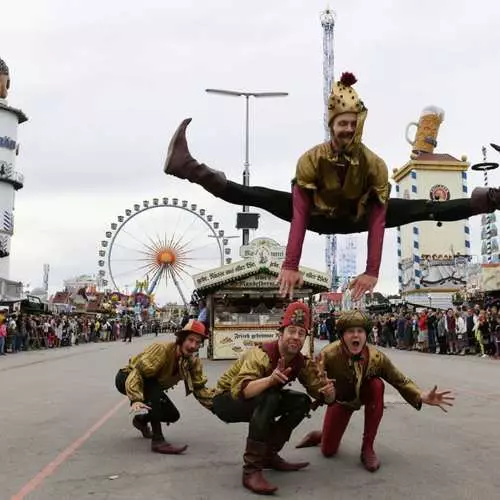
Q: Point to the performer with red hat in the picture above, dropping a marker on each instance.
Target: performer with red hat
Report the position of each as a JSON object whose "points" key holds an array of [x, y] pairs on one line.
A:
{"points": [[252, 390], [158, 368], [359, 370], [341, 187]]}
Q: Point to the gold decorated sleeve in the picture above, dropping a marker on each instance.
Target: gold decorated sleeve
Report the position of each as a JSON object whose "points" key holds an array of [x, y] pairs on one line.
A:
{"points": [[404, 385], [309, 378], [255, 366], [305, 175], [378, 180], [201, 392], [145, 365], [134, 386]]}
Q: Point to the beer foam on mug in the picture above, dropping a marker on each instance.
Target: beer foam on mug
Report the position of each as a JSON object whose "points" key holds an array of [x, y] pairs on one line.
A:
{"points": [[433, 110]]}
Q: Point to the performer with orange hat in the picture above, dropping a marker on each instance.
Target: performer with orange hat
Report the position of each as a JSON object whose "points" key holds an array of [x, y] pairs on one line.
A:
{"points": [[252, 390], [158, 368], [359, 371], [341, 187]]}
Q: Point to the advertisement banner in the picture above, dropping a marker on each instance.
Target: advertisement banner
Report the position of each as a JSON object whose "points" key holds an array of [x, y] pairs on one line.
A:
{"points": [[231, 343]]}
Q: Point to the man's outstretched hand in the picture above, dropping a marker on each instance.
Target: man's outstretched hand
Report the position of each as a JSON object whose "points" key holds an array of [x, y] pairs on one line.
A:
{"points": [[435, 398], [288, 280], [362, 284]]}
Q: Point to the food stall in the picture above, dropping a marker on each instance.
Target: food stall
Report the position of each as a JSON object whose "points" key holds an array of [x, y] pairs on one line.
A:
{"points": [[243, 299]]}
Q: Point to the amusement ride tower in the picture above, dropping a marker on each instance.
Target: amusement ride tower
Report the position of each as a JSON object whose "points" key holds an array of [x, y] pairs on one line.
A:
{"points": [[340, 251]]}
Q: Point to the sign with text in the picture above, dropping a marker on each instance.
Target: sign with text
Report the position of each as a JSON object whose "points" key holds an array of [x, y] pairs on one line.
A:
{"points": [[231, 343]]}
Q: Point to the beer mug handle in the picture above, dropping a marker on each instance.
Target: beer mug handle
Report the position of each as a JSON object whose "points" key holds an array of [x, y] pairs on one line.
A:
{"points": [[407, 133]]}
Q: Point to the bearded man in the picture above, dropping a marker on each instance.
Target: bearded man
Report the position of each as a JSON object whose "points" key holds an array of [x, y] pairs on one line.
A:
{"points": [[359, 371], [252, 390], [341, 187], [158, 368]]}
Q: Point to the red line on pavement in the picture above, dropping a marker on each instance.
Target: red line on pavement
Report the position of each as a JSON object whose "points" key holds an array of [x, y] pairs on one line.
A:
{"points": [[51, 467]]}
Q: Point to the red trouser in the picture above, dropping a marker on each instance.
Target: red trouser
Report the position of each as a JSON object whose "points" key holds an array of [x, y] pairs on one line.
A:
{"points": [[337, 417]]}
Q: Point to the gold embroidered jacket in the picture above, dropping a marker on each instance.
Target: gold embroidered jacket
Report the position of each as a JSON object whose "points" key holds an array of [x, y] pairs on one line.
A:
{"points": [[349, 375], [366, 176], [255, 364], [160, 361]]}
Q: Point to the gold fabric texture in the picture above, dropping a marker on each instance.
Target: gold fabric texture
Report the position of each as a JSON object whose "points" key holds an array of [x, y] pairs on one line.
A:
{"points": [[349, 375], [366, 176], [160, 361], [255, 364], [350, 319], [343, 99]]}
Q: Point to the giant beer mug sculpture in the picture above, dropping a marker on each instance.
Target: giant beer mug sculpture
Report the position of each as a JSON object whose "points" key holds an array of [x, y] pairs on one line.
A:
{"points": [[425, 139]]}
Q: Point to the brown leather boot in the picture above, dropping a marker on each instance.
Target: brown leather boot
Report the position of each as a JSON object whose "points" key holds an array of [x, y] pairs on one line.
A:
{"points": [[311, 439], [279, 436], [485, 200], [181, 164], [253, 479], [167, 448], [141, 424]]}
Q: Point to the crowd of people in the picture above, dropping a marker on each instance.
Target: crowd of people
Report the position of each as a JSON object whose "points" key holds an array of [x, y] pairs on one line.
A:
{"points": [[460, 331], [23, 332]]}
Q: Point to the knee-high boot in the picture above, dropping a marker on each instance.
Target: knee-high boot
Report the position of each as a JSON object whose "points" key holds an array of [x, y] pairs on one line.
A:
{"points": [[181, 164], [253, 459], [280, 434], [372, 395]]}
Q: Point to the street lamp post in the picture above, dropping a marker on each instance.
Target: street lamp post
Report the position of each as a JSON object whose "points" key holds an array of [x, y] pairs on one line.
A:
{"points": [[246, 164]]}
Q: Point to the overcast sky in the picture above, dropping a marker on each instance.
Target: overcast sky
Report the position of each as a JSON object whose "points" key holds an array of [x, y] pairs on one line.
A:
{"points": [[105, 83]]}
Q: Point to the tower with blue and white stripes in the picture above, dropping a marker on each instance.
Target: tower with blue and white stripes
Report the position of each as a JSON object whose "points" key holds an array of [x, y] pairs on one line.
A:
{"points": [[10, 179], [432, 254]]}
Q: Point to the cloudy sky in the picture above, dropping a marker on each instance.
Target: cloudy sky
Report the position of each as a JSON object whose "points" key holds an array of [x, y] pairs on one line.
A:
{"points": [[105, 84]]}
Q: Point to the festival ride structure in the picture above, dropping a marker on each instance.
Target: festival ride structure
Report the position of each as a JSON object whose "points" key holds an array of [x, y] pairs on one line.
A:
{"points": [[489, 231], [11, 181], [433, 256], [150, 252], [341, 250], [243, 299]]}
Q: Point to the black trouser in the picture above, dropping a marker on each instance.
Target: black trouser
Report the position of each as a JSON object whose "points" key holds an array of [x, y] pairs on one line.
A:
{"points": [[261, 411], [443, 345], [162, 408], [399, 211]]}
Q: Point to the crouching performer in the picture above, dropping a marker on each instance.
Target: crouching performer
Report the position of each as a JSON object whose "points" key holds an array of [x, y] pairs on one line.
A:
{"points": [[252, 390], [359, 371], [158, 368]]}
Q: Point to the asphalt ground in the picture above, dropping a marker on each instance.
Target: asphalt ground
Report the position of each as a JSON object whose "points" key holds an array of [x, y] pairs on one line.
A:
{"points": [[66, 434]]}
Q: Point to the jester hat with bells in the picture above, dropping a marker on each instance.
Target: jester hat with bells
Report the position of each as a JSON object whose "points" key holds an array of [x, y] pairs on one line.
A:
{"points": [[344, 99], [297, 314]]}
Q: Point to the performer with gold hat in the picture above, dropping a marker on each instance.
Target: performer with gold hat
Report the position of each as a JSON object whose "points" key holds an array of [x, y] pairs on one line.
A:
{"points": [[341, 187], [252, 390], [158, 368], [359, 371]]}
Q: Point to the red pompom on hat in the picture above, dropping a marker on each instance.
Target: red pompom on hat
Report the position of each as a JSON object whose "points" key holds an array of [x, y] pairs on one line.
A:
{"points": [[297, 314], [348, 79]]}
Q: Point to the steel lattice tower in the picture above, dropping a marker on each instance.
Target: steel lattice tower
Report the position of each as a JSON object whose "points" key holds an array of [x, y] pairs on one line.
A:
{"points": [[340, 252], [328, 24]]}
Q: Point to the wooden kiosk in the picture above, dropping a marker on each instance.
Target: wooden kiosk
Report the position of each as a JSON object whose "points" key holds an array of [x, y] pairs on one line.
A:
{"points": [[244, 301]]}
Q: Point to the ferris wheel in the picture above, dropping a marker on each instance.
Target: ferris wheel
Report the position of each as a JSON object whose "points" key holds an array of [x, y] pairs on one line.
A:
{"points": [[157, 245]]}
